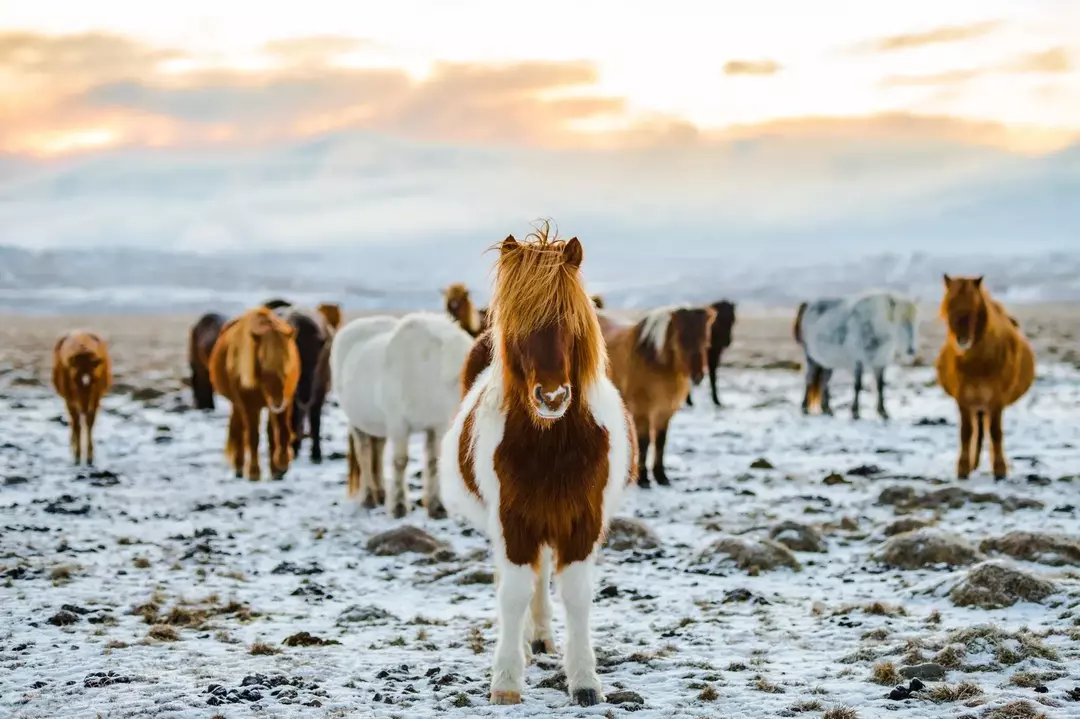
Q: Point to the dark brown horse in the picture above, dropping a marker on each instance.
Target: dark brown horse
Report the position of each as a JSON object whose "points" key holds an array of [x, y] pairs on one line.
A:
{"points": [[204, 334], [719, 340], [314, 333]]}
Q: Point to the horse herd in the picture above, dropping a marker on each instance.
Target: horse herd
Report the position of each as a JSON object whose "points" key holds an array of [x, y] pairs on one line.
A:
{"points": [[538, 411]]}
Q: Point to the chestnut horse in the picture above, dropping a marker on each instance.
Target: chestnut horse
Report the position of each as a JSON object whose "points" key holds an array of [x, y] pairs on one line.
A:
{"points": [[255, 364], [653, 363], [204, 334], [459, 306], [538, 457], [719, 340], [986, 365], [82, 374]]}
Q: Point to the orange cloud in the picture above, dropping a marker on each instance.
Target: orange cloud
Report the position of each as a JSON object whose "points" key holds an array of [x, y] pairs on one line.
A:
{"points": [[1052, 61], [751, 67], [933, 36]]}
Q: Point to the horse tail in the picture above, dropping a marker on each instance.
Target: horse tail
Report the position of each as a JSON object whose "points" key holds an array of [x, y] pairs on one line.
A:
{"points": [[798, 321], [813, 392]]}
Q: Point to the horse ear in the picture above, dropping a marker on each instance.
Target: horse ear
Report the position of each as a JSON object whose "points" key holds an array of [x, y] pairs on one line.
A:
{"points": [[573, 253], [509, 243], [978, 281], [260, 325], [948, 281]]}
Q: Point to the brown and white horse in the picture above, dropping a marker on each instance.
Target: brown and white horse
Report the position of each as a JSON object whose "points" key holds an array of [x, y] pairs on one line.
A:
{"points": [[460, 306], [255, 364], [538, 457], [653, 363], [82, 374]]}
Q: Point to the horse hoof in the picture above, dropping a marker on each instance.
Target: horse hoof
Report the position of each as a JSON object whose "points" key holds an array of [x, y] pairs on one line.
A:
{"points": [[504, 698], [239, 475], [316, 459], [587, 697], [369, 502], [543, 646], [437, 512], [662, 479], [644, 483], [399, 511]]}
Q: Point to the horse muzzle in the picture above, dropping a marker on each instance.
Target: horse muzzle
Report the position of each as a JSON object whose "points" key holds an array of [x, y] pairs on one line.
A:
{"points": [[551, 405]]}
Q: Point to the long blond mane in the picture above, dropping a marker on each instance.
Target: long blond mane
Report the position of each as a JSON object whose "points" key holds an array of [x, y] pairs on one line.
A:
{"points": [[271, 352], [536, 288]]}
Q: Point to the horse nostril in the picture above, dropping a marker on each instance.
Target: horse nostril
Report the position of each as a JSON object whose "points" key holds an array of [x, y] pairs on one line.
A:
{"points": [[538, 393]]}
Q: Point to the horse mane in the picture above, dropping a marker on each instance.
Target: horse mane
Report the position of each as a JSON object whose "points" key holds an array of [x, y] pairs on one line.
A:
{"points": [[651, 333], [275, 333], [535, 287]]}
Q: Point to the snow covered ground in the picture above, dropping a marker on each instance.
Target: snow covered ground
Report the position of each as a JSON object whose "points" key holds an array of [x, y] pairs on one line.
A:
{"points": [[157, 585]]}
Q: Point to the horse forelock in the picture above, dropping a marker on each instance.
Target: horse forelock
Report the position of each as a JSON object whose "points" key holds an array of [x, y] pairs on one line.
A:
{"points": [[535, 289], [269, 353]]}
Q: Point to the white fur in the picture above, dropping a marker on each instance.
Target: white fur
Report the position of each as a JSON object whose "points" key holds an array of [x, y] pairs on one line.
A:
{"points": [[869, 329], [655, 328], [519, 588], [399, 377]]}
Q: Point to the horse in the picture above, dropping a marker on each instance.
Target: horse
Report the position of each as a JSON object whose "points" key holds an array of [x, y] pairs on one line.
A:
{"points": [[203, 335], [986, 364], [276, 304], [866, 330], [255, 364], [81, 375], [459, 306], [331, 313], [598, 301], [538, 457], [654, 362], [396, 382], [719, 340], [313, 334]]}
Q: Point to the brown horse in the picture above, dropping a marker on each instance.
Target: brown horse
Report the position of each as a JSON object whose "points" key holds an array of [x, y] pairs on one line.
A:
{"points": [[460, 306], [545, 438], [986, 365], [653, 363], [255, 364], [719, 340], [204, 334], [82, 374], [313, 337]]}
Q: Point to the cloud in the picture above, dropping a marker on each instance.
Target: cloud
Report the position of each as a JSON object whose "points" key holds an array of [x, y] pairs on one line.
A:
{"points": [[751, 67], [79, 58], [933, 36], [315, 49], [950, 77], [1053, 61]]}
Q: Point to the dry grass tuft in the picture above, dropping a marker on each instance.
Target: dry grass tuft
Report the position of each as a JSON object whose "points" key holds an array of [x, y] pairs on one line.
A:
{"points": [[885, 674], [141, 563], [993, 585], [762, 684], [1032, 679], [475, 640], [840, 713], [883, 609], [1056, 550], [947, 693], [926, 548], [812, 705], [1016, 710], [259, 649], [708, 693], [164, 633]]}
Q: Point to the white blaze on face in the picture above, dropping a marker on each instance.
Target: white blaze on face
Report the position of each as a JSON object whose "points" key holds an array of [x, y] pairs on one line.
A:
{"points": [[86, 380]]}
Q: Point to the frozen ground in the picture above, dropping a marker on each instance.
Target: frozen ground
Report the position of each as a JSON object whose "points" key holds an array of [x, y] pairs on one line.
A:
{"points": [[160, 586]]}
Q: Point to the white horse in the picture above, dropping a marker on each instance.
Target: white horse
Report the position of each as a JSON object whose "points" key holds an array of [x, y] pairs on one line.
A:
{"points": [[866, 330], [395, 377]]}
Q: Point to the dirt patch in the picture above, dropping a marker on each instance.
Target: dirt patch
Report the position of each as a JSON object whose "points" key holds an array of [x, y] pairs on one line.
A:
{"points": [[798, 537], [750, 555], [406, 539], [926, 548], [1055, 550], [906, 498], [994, 585], [306, 639], [906, 524], [625, 534]]}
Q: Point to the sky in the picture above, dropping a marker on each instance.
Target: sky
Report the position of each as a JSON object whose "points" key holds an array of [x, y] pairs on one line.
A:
{"points": [[789, 102]]}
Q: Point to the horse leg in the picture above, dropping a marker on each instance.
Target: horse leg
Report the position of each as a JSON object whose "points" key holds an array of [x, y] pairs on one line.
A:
{"points": [[641, 425], [397, 498], [297, 422], [514, 594], [88, 430], [352, 481], [997, 447], [813, 377], [432, 500], [690, 397], [879, 377], [980, 432], [278, 431], [540, 639], [234, 445], [576, 588], [315, 429], [75, 425], [714, 364], [251, 434], [826, 395], [661, 424], [364, 455], [858, 372], [378, 449], [963, 465]]}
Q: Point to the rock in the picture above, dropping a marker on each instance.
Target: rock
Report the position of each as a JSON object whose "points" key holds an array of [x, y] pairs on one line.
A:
{"points": [[742, 594], [751, 555], [896, 496], [924, 672], [994, 585], [798, 537], [761, 463], [906, 524], [625, 534], [625, 697], [408, 538], [63, 618], [1055, 550], [834, 479], [865, 470], [305, 639], [900, 693], [357, 614], [478, 576], [926, 547], [145, 394]]}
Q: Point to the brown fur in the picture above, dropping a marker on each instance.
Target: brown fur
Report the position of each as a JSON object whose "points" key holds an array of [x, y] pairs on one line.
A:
{"points": [[255, 364], [598, 302], [815, 387], [655, 384], [477, 361], [460, 307], [331, 312], [82, 374], [996, 369], [201, 339]]}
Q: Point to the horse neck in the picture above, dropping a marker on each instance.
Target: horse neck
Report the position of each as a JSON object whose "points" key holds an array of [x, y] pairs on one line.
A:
{"points": [[471, 319]]}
